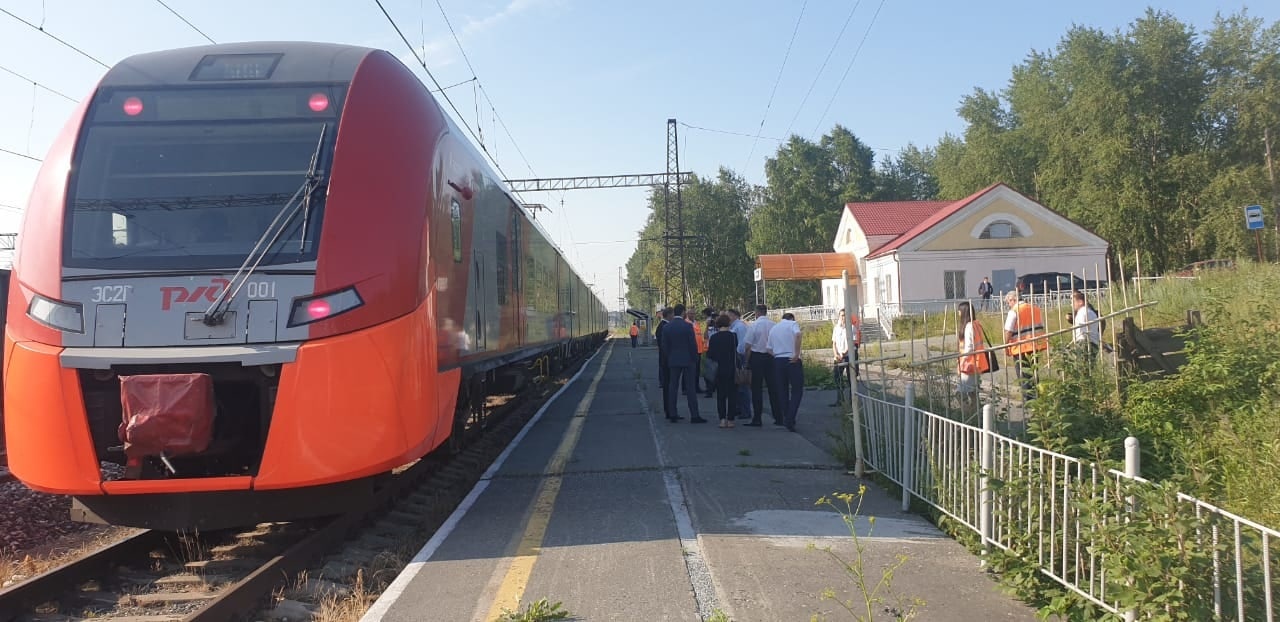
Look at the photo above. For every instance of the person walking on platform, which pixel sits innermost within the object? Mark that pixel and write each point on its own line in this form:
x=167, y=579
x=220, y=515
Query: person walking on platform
x=1021, y=327
x=701, y=340
x=761, y=366
x=635, y=332
x=664, y=380
x=740, y=330
x=681, y=346
x=723, y=349
x=840, y=348
x=784, y=343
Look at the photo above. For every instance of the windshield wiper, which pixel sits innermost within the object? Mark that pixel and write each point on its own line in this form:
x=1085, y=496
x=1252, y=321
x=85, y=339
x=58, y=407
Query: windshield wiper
x=315, y=181
x=217, y=312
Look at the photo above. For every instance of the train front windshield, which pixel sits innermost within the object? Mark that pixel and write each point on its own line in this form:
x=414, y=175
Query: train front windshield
x=192, y=178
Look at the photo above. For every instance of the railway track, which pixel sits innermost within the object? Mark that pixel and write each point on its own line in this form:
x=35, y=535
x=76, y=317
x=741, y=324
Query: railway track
x=155, y=576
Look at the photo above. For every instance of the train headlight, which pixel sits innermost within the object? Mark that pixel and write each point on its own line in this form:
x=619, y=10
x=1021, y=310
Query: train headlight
x=315, y=308
x=64, y=316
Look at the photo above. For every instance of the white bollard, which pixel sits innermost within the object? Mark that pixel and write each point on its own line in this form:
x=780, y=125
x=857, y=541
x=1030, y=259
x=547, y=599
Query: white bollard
x=984, y=482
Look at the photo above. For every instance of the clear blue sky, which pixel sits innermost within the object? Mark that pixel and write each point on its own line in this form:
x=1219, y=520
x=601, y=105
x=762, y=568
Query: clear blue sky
x=586, y=87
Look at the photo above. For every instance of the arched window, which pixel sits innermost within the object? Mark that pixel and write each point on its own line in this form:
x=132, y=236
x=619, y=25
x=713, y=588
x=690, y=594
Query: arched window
x=1000, y=230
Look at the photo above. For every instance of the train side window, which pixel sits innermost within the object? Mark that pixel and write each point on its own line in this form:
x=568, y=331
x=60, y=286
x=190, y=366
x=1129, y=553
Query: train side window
x=455, y=218
x=501, y=267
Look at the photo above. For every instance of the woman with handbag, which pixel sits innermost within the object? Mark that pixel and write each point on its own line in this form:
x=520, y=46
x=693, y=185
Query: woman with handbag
x=971, y=366
x=722, y=348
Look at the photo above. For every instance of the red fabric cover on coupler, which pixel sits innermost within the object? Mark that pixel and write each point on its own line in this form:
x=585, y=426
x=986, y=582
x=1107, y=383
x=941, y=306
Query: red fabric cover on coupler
x=169, y=413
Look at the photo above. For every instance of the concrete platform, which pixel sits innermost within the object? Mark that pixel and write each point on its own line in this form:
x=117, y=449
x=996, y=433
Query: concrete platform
x=605, y=506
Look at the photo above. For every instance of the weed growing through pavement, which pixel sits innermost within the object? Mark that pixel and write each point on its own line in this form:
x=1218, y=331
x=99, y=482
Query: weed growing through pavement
x=718, y=616
x=744, y=452
x=872, y=594
x=537, y=611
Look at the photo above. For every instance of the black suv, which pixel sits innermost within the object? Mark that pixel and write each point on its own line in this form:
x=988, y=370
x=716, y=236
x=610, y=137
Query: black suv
x=1054, y=282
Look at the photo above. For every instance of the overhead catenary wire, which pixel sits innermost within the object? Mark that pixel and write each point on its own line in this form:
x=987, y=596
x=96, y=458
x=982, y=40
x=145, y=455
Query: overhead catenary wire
x=20, y=155
x=818, y=77
x=776, y=81
x=458, y=113
x=846, y=70
x=185, y=21
x=479, y=88
x=423, y=62
x=729, y=132
x=46, y=33
x=39, y=85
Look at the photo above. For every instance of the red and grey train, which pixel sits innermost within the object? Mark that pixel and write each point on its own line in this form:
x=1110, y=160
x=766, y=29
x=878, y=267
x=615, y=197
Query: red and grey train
x=255, y=278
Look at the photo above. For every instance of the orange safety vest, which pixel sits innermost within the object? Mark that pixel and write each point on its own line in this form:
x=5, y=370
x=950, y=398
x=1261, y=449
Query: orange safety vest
x=702, y=341
x=635, y=330
x=975, y=363
x=857, y=332
x=1030, y=324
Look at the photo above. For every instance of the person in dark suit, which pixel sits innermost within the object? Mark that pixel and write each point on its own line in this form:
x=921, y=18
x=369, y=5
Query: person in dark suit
x=681, y=349
x=664, y=380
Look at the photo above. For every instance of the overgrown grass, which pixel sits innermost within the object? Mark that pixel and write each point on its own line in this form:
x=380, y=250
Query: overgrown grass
x=815, y=335
x=1211, y=429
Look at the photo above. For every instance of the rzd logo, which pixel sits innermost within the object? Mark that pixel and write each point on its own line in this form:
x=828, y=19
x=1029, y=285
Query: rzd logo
x=207, y=293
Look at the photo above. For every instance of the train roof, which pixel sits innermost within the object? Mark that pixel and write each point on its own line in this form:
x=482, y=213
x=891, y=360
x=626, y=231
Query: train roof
x=261, y=61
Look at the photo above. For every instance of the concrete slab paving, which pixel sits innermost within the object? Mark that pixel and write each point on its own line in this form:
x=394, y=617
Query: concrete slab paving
x=669, y=521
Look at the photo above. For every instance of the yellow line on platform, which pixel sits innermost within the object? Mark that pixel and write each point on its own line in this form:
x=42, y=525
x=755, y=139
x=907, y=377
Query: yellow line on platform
x=516, y=579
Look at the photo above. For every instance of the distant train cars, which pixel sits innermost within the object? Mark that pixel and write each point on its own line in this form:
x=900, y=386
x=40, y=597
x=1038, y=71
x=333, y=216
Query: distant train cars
x=255, y=277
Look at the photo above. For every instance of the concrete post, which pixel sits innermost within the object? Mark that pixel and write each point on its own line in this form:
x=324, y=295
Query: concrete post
x=908, y=444
x=1132, y=468
x=984, y=480
x=859, y=466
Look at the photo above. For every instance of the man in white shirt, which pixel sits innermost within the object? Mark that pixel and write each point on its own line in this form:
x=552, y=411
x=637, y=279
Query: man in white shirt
x=840, y=350
x=742, y=331
x=1087, y=334
x=760, y=363
x=784, y=344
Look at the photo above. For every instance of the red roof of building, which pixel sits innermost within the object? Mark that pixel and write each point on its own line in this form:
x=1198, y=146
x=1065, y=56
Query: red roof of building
x=892, y=217
x=936, y=215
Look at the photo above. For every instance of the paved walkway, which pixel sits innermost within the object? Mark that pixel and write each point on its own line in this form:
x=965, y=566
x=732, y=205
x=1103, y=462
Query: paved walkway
x=620, y=515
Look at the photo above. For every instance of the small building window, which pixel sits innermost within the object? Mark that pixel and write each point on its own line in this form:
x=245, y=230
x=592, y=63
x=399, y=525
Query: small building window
x=1000, y=230
x=953, y=284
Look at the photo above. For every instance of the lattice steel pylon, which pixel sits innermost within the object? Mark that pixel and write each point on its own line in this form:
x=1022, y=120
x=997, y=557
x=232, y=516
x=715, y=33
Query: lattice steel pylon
x=676, y=288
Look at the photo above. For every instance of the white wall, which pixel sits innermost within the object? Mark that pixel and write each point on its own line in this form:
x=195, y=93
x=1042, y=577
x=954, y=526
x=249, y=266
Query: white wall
x=922, y=272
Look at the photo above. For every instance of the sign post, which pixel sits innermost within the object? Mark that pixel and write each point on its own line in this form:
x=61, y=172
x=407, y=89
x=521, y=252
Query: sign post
x=1253, y=222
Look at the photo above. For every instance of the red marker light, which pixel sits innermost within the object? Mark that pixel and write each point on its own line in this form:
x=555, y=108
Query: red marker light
x=318, y=309
x=133, y=106
x=318, y=102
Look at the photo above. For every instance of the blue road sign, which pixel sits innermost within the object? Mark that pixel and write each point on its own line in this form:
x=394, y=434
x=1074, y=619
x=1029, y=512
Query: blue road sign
x=1253, y=217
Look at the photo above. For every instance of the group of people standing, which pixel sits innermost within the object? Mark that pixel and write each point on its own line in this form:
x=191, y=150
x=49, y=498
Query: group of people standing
x=748, y=358
x=1025, y=340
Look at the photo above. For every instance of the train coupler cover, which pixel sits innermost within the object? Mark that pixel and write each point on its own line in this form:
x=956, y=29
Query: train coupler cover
x=166, y=414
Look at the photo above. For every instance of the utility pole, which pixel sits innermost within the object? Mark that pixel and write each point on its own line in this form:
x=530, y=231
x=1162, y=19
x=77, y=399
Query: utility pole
x=1275, y=184
x=676, y=288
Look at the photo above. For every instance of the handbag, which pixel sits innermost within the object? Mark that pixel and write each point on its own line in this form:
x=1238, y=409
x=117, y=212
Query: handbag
x=993, y=361
x=709, y=369
x=742, y=376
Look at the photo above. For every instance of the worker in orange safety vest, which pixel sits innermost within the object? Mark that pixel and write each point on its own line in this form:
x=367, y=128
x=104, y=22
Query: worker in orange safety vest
x=1024, y=332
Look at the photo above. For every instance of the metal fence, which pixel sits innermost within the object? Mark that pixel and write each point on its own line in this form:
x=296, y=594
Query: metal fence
x=1072, y=518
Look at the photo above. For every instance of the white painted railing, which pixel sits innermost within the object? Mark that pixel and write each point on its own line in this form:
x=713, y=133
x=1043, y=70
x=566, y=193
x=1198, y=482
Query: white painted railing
x=1050, y=509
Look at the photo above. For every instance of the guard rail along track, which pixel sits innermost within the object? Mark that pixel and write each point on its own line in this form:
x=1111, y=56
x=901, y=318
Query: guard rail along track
x=155, y=576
